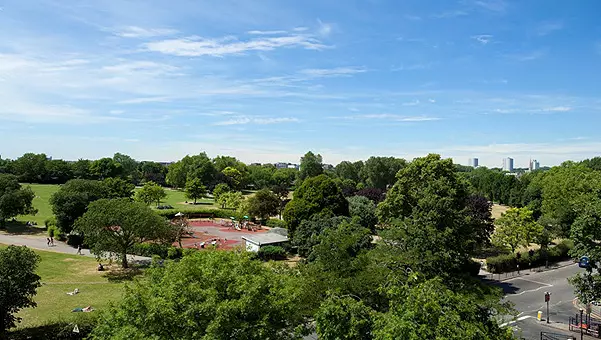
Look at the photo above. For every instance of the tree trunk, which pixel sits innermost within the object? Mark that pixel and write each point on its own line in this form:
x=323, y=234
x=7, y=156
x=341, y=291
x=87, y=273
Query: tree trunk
x=195, y=201
x=124, y=260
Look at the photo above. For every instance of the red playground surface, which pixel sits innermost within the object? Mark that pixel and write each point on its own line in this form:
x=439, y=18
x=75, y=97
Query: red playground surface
x=209, y=231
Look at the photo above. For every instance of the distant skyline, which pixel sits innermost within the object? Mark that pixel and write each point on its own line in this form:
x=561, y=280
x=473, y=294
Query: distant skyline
x=266, y=81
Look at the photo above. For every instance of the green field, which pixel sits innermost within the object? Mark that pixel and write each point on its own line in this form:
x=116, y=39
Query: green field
x=40, y=202
x=62, y=273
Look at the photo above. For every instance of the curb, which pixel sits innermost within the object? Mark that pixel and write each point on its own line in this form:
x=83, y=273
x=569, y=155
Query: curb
x=526, y=272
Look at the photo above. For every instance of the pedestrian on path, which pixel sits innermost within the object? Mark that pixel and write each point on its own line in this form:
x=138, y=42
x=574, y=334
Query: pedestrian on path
x=52, y=240
x=48, y=241
x=79, y=250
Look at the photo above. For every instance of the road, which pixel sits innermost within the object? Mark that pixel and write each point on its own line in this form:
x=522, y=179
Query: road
x=527, y=294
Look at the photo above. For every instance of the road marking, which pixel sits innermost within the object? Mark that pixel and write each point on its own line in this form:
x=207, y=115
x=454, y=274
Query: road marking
x=516, y=320
x=529, y=291
x=540, y=283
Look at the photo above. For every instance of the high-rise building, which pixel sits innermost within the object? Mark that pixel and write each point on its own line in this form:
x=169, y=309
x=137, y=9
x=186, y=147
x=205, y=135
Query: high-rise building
x=534, y=164
x=473, y=162
x=508, y=164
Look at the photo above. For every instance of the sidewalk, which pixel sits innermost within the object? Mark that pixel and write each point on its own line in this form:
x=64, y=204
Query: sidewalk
x=510, y=275
x=40, y=243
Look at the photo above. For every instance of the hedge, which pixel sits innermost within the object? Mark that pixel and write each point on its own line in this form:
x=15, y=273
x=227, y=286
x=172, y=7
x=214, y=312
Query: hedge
x=508, y=262
x=272, y=253
x=217, y=213
x=276, y=223
x=163, y=251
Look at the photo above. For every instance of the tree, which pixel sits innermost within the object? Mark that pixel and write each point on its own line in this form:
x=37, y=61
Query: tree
x=233, y=176
x=118, y=188
x=218, y=191
x=81, y=169
x=364, y=210
x=263, y=204
x=180, y=228
x=374, y=194
x=152, y=172
x=30, y=168
x=230, y=199
x=349, y=170
x=516, y=227
x=72, y=199
x=586, y=233
x=316, y=195
x=177, y=174
x=151, y=192
x=311, y=165
x=115, y=226
x=105, y=168
x=344, y=318
x=306, y=236
x=58, y=171
x=260, y=177
x=380, y=172
x=14, y=200
x=220, y=295
x=281, y=192
x=18, y=284
x=479, y=211
x=197, y=166
x=195, y=189
x=284, y=177
x=129, y=165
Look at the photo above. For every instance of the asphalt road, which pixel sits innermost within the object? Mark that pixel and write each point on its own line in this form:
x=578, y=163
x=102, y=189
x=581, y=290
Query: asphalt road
x=527, y=294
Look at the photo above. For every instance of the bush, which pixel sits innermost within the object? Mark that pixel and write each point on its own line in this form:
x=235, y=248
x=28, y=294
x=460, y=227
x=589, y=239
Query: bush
x=174, y=253
x=74, y=240
x=164, y=207
x=164, y=251
x=508, y=262
x=53, y=231
x=272, y=253
x=50, y=222
x=275, y=223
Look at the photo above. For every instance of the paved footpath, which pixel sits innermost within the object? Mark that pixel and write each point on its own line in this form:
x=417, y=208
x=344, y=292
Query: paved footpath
x=40, y=242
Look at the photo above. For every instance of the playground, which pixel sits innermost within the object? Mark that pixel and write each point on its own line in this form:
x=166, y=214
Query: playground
x=222, y=234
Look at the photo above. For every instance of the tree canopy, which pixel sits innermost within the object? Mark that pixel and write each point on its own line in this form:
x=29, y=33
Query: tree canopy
x=311, y=165
x=14, y=200
x=263, y=204
x=151, y=192
x=516, y=227
x=18, y=283
x=114, y=226
x=195, y=189
x=72, y=199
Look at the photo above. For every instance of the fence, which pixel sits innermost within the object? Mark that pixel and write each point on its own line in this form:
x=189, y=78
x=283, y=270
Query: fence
x=555, y=336
x=517, y=273
x=590, y=326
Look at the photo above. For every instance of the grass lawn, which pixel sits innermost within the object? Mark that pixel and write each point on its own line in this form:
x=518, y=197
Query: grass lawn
x=40, y=202
x=62, y=273
x=498, y=209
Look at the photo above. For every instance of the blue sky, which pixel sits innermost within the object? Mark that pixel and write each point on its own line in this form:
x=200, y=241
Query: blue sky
x=268, y=80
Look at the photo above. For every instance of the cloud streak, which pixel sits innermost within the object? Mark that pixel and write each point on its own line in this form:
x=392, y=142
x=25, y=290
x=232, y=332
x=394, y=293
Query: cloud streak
x=139, y=32
x=244, y=120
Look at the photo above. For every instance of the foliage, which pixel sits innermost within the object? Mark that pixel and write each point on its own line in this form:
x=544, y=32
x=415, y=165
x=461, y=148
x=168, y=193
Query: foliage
x=150, y=249
x=180, y=227
x=151, y=192
x=218, y=191
x=275, y=223
x=129, y=166
x=14, y=200
x=18, y=283
x=200, y=211
x=272, y=253
x=230, y=199
x=586, y=233
x=195, y=189
x=284, y=177
x=198, y=166
x=307, y=234
x=152, y=172
x=260, y=177
x=263, y=204
x=72, y=199
x=508, y=262
x=316, y=195
x=118, y=188
x=208, y=295
x=30, y=168
x=115, y=226
x=364, y=210
x=374, y=194
x=380, y=172
x=516, y=227
x=233, y=177
x=347, y=186
x=479, y=212
x=311, y=165
x=53, y=231
x=344, y=318
x=349, y=170
x=105, y=168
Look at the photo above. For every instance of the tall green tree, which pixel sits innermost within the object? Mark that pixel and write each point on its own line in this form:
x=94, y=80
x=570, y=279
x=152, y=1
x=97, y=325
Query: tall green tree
x=311, y=165
x=81, y=169
x=72, y=199
x=209, y=295
x=260, y=177
x=218, y=191
x=316, y=195
x=516, y=227
x=349, y=170
x=364, y=210
x=58, y=171
x=151, y=192
x=380, y=172
x=105, y=168
x=230, y=199
x=197, y=166
x=152, y=172
x=30, y=168
x=114, y=226
x=195, y=189
x=344, y=318
x=263, y=204
x=129, y=165
x=233, y=177
x=14, y=200
x=118, y=188
x=18, y=284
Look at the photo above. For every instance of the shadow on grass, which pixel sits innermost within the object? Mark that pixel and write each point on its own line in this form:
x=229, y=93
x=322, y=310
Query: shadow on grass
x=199, y=203
x=21, y=228
x=117, y=275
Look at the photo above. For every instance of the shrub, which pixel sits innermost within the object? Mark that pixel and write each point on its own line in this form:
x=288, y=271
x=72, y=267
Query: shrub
x=272, y=253
x=164, y=251
x=508, y=262
x=275, y=223
x=74, y=240
x=174, y=253
x=164, y=207
x=50, y=222
x=53, y=231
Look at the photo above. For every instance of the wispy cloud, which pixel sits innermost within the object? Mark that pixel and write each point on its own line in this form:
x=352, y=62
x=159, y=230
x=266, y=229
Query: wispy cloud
x=412, y=67
x=257, y=32
x=413, y=17
x=139, y=32
x=199, y=46
x=141, y=66
x=482, y=38
x=332, y=72
x=388, y=116
x=412, y=103
x=243, y=120
x=549, y=27
x=499, y=6
x=324, y=29
x=557, y=109
x=449, y=14
x=527, y=56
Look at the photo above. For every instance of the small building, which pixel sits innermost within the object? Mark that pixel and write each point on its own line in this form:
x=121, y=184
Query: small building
x=255, y=242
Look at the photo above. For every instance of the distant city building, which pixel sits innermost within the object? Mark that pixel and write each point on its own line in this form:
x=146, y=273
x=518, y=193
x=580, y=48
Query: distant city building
x=473, y=162
x=508, y=164
x=255, y=164
x=282, y=165
x=534, y=165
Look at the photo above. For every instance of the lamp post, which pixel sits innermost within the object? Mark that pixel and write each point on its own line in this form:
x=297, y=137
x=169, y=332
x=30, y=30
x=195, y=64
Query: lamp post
x=581, y=330
x=547, y=299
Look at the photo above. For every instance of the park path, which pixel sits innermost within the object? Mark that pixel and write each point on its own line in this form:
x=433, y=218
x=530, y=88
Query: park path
x=40, y=243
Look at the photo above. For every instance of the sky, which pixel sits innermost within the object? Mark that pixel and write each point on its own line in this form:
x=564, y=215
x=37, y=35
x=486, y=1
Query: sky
x=268, y=80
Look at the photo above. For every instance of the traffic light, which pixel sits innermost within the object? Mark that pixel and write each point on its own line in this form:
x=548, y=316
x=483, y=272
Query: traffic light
x=547, y=296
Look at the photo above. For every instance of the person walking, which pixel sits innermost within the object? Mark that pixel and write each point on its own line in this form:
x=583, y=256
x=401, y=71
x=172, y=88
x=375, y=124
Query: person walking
x=48, y=241
x=79, y=250
x=52, y=241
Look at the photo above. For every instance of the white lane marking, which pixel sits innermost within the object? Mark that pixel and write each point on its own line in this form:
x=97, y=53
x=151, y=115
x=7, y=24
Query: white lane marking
x=531, y=290
x=516, y=320
x=537, y=282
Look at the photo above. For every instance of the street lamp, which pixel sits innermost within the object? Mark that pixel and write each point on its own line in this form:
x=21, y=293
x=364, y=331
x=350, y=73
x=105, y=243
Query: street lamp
x=581, y=330
x=547, y=299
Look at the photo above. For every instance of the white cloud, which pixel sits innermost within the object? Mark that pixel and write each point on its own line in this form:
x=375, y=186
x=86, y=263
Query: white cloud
x=527, y=56
x=450, y=14
x=243, y=120
x=257, y=32
x=499, y=6
x=412, y=67
x=483, y=38
x=199, y=46
x=116, y=112
x=139, y=32
x=300, y=29
x=411, y=103
x=145, y=100
x=557, y=109
x=332, y=72
x=549, y=27
x=141, y=66
x=324, y=29
x=432, y=100
x=397, y=118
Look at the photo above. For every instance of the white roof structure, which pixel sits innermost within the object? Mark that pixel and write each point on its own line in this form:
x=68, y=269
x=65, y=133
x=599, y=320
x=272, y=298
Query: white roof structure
x=265, y=239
